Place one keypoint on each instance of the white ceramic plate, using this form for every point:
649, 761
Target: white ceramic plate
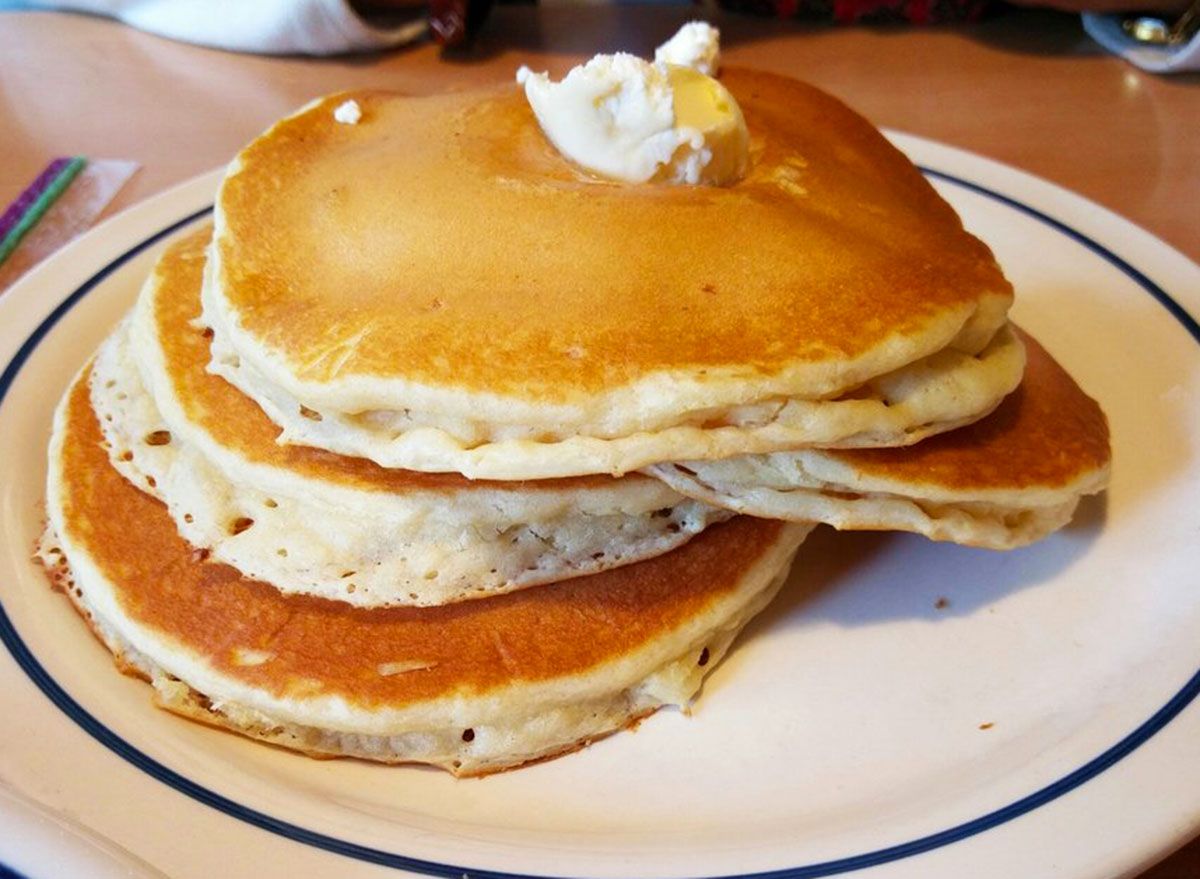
1039, 725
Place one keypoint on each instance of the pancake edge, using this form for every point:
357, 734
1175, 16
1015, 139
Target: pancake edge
915, 402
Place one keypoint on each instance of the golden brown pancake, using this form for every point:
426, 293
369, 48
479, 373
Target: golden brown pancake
448, 293
458, 249
473, 687
1007, 480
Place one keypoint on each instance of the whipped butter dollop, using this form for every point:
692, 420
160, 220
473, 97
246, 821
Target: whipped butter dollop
696, 45
628, 119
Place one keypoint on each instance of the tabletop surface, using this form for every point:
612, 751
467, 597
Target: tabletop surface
1026, 88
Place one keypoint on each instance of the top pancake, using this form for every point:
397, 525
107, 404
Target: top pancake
441, 256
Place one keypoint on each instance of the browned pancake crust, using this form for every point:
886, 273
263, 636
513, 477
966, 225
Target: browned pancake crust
443, 241
326, 647
237, 423
1046, 434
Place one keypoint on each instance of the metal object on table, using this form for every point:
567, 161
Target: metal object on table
1157, 31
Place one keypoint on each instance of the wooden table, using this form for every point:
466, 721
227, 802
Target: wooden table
1026, 88
1029, 89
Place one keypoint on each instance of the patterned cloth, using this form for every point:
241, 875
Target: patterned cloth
866, 11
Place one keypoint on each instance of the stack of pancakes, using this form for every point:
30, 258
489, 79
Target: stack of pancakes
431, 448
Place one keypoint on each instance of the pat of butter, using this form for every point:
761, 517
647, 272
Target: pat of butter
702, 104
629, 120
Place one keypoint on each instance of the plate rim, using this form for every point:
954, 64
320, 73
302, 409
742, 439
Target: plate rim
1111, 756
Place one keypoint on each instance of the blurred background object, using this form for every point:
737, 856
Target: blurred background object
1157, 35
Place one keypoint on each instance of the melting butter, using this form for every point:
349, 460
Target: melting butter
627, 119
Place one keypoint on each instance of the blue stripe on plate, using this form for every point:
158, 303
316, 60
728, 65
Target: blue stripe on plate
1177, 311
119, 746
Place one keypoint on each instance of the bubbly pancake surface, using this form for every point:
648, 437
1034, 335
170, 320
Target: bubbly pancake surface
367, 547
442, 245
323, 648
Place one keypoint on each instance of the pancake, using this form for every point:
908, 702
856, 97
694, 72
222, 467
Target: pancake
475, 303
473, 687
941, 392
315, 523
1002, 482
